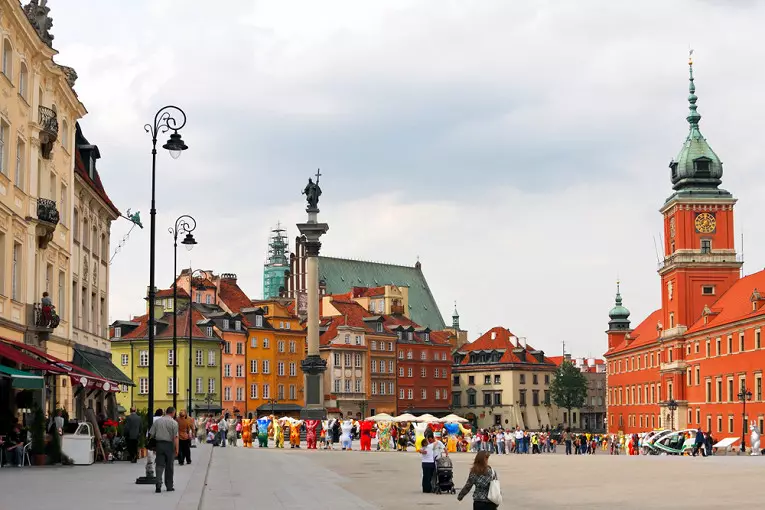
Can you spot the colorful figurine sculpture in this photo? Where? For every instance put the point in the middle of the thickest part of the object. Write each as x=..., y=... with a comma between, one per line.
x=279, y=432
x=295, y=433
x=346, y=440
x=452, y=430
x=264, y=424
x=383, y=435
x=365, y=435
x=419, y=435
x=247, y=431
x=755, y=438
x=403, y=436
x=436, y=427
x=310, y=433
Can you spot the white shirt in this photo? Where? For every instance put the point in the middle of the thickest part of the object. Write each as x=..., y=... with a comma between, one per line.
x=429, y=455
x=518, y=434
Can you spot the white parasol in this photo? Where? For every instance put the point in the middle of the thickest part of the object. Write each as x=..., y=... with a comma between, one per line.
x=427, y=418
x=381, y=417
x=405, y=417
x=453, y=418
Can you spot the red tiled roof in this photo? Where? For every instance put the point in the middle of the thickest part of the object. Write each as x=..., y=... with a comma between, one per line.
x=735, y=304
x=644, y=334
x=558, y=360
x=165, y=293
x=141, y=331
x=367, y=291
x=501, y=341
x=96, y=183
x=232, y=295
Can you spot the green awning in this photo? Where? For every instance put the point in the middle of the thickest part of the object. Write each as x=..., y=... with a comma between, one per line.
x=22, y=380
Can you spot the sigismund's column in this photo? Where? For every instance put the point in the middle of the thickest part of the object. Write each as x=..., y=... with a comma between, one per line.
x=313, y=366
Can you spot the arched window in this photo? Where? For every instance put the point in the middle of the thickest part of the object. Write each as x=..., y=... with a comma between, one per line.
x=23, y=80
x=104, y=247
x=7, y=59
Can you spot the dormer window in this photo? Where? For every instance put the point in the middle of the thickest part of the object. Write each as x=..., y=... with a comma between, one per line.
x=225, y=324
x=702, y=166
x=409, y=335
x=673, y=168
x=258, y=321
x=399, y=334
x=348, y=339
x=238, y=325
x=426, y=336
x=379, y=327
x=117, y=332
x=209, y=331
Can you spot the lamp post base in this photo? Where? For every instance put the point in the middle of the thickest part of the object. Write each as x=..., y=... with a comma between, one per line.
x=146, y=480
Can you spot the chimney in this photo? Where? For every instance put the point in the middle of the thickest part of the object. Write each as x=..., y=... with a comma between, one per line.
x=567, y=357
x=522, y=340
x=493, y=335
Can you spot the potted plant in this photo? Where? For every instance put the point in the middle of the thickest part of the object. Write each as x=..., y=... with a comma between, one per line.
x=38, y=436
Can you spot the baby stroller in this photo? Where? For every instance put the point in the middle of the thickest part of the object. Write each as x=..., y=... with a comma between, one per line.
x=443, y=477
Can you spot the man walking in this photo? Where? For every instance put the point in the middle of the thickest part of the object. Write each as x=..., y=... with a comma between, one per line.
x=165, y=431
x=131, y=432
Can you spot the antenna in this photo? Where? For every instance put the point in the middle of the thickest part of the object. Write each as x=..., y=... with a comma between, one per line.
x=656, y=249
x=564, y=348
x=742, y=254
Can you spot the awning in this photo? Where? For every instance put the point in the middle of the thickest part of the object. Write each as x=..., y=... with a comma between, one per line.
x=100, y=363
x=22, y=380
x=11, y=353
x=279, y=408
x=78, y=376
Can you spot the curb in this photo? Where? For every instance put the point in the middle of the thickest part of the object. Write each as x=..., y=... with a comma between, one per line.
x=192, y=494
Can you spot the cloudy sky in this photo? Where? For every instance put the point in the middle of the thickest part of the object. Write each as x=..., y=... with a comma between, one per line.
x=519, y=149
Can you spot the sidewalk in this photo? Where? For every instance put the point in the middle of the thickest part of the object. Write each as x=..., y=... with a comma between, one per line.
x=102, y=486
x=246, y=478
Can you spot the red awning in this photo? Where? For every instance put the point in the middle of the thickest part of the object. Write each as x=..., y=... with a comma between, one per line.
x=77, y=375
x=15, y=355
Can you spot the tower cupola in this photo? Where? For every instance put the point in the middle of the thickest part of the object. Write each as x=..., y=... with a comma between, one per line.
x=697, y=170
x=619, y=315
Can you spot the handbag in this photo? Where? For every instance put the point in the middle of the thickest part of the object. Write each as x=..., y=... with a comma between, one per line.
x=495, y=491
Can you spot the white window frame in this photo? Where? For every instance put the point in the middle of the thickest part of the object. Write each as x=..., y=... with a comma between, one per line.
x=199, y=358
x=211, y=385
x=125, y=360
x=254, y=366
x=199, y=385
x=253, y=391
x=143, y=385
x=211, y=358
x=170, y=357
x=143, y=358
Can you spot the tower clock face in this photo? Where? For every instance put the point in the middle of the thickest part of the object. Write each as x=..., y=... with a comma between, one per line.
x=705, y=223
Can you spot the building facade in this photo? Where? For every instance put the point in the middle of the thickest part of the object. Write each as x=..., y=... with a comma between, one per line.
x=129, y=342
x=499, y=380
x=591, y=417
x=690, y=363
x=275, y=347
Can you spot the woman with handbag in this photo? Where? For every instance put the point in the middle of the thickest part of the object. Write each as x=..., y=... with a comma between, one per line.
x=487, y=495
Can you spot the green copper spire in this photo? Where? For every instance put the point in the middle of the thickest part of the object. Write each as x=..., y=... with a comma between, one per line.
x=619, y=315
x=696, y=171
x=455, y=318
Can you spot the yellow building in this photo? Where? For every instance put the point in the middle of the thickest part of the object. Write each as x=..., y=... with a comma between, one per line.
x=275, y=348
x=38, y=112
x=130, y=353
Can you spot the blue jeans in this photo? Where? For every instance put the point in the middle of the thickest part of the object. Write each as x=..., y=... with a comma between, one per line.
x=501, y=446
x=222, y=438
x=568, y=447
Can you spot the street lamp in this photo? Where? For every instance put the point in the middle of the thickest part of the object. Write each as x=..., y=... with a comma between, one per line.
x=191, y=338
x=743, y=396
x=273, y=402
x=183, y=225
x=164, y=120
x=672, y=406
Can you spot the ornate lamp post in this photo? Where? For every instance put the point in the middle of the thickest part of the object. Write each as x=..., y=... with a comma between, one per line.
x=164, y=121
x=273, y=402
x=191, y=338
x=672, y=406
x=743, y=396
x=183, y=225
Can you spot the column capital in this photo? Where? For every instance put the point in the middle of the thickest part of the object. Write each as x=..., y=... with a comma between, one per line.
x=313, y=365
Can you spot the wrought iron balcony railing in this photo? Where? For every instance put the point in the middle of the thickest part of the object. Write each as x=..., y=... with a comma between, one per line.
x=48, y=120
x=46, y=211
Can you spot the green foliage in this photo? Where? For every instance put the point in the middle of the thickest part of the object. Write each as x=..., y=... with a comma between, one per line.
x=38, y=431
x=55, y=456
x=568, y=388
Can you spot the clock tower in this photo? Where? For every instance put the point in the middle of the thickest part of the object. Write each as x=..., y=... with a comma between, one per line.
x=700, y=261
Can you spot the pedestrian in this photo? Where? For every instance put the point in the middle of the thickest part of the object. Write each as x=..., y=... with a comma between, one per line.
x=428, y=462
x=480, y=477
x=131, y=431
x=185, y=433
x=501, y=442
x=165, y=433
x=698, y=445
x=567, y=440
x=708, y=442
x=223, y=430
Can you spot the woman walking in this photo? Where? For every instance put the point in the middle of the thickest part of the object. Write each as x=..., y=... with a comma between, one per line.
x=481, y=475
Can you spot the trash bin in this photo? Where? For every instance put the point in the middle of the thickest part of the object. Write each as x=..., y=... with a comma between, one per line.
x=81, y=445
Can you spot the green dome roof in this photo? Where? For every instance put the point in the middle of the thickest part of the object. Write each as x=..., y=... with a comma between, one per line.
x=696, y=169
x=619, y=314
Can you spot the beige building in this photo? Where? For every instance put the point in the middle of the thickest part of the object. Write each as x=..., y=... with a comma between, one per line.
x=499, y=380
x=39, y=189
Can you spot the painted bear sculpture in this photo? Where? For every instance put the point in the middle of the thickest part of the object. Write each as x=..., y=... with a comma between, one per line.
x=310, y=433
x=365, y=435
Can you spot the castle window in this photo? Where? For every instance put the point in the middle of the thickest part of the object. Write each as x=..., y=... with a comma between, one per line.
x=708, y=290
x=706, y=246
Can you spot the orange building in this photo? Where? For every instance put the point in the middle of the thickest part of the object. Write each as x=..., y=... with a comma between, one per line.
x=693, y=362
x=274, y=350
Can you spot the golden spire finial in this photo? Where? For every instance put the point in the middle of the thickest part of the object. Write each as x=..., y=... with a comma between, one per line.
x=690, y=56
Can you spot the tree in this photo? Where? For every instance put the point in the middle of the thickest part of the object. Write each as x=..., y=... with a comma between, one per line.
x=568, y=388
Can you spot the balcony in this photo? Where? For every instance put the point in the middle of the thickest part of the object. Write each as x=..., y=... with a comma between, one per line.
x=44, y=321
x=48, y=120
x=46, y=221
x=397, y=309
x=341, y=395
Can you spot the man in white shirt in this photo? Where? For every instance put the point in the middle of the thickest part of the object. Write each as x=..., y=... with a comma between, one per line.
x=500, y=442
x=223, y=430
x=518, y=440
